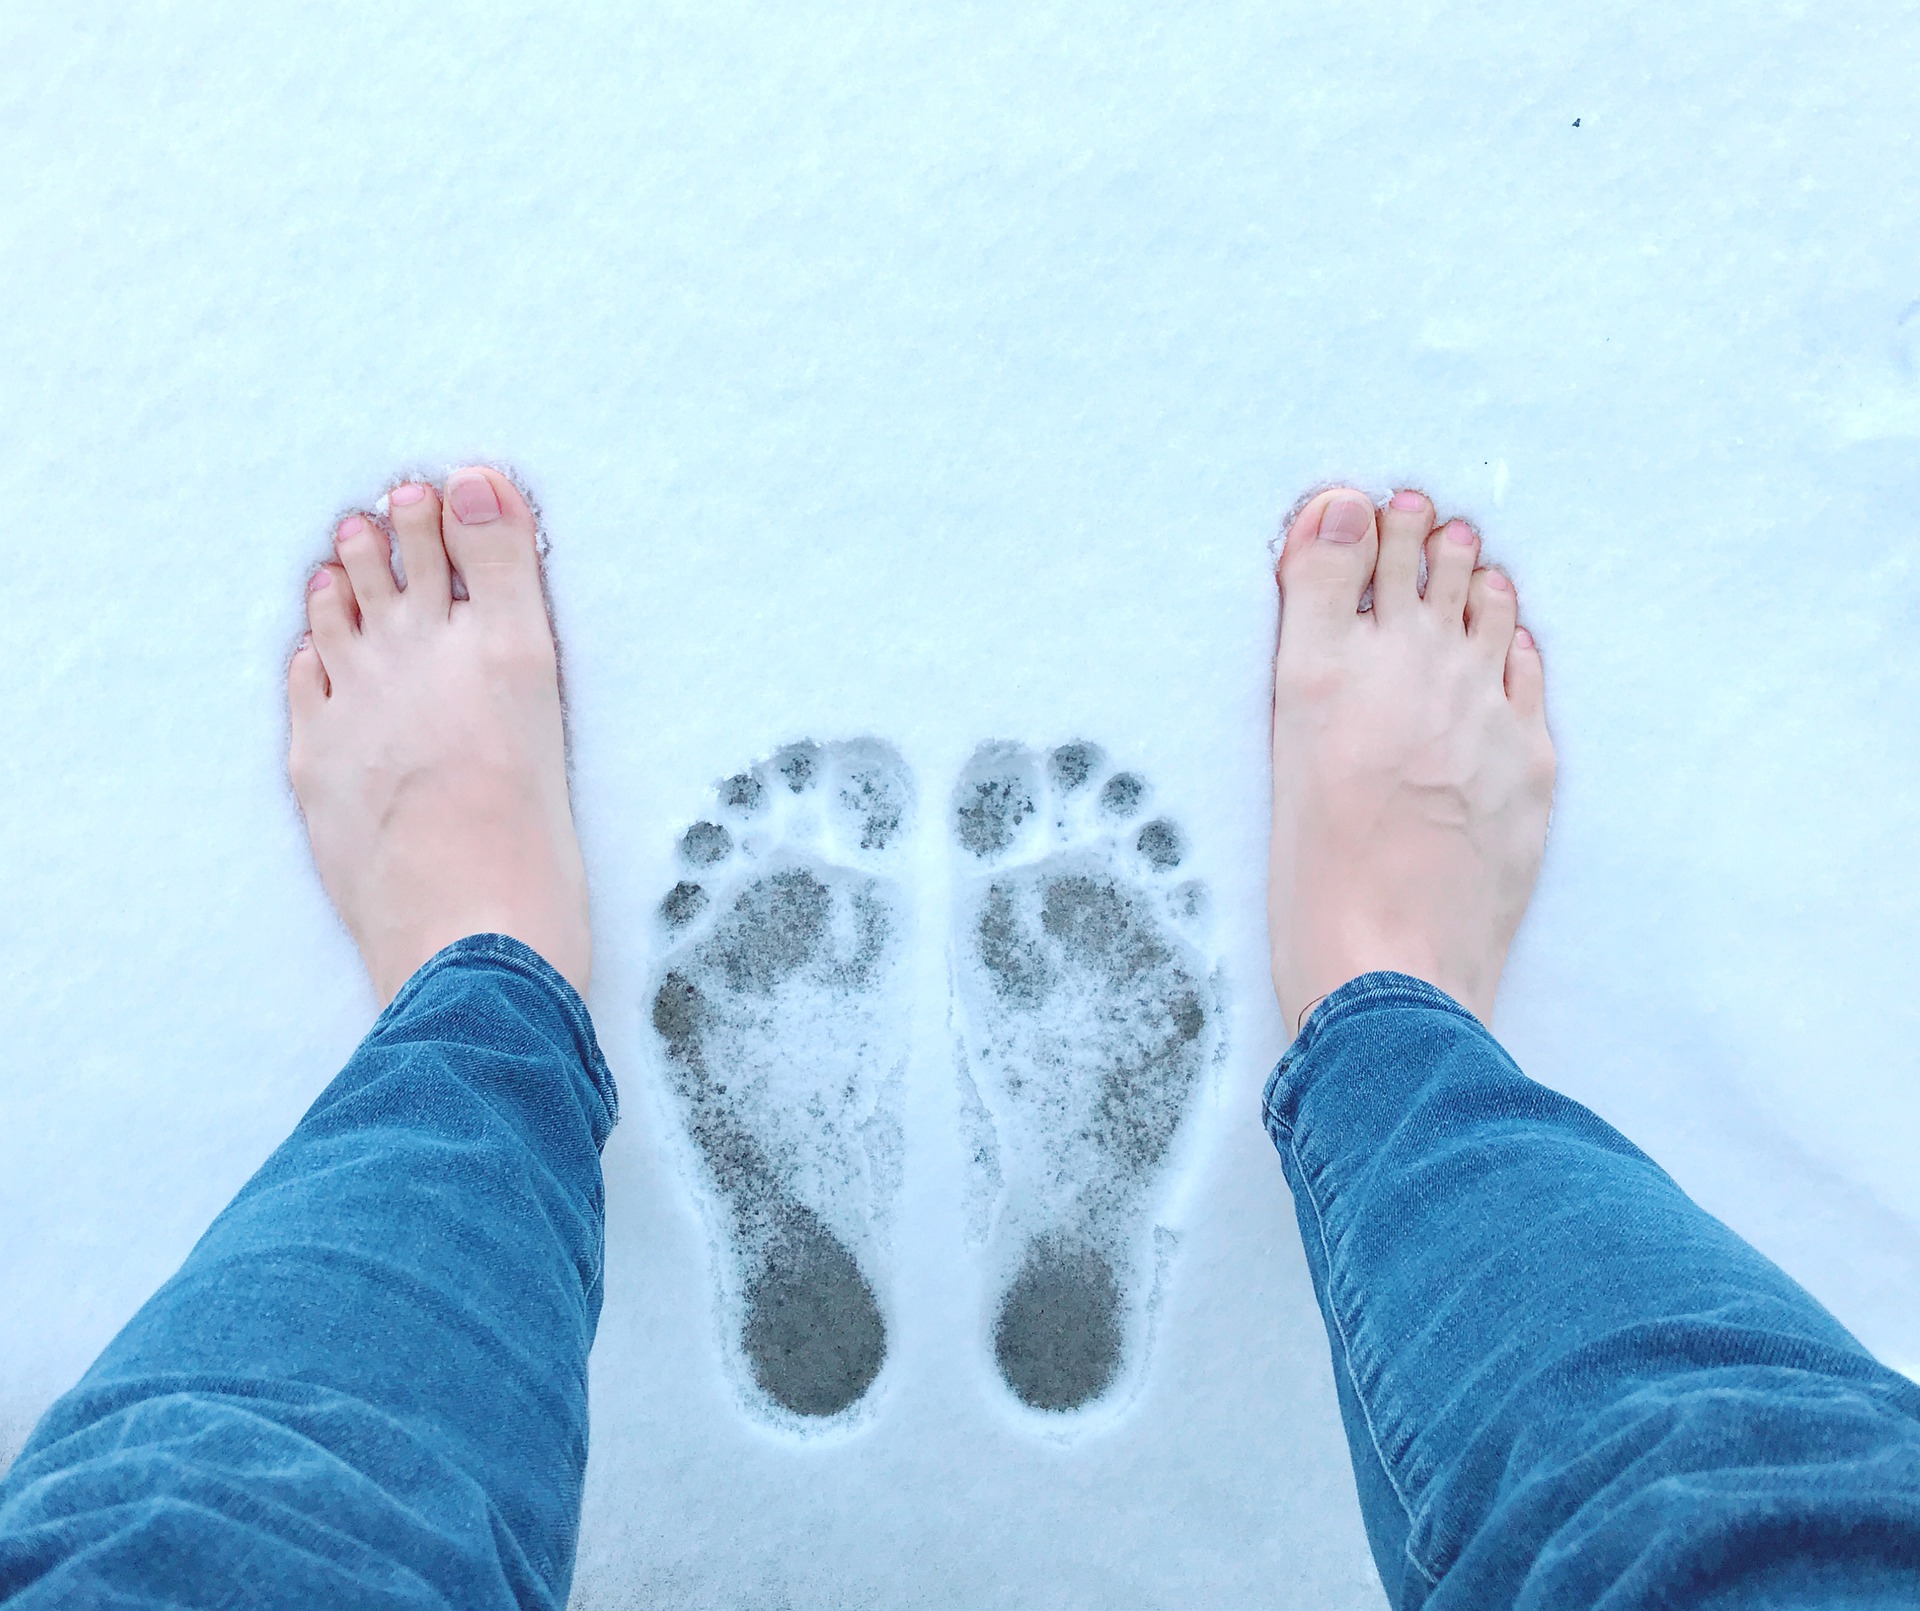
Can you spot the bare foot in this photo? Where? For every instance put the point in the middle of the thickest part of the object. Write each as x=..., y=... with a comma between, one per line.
x=428, y=753
x=1412, y=771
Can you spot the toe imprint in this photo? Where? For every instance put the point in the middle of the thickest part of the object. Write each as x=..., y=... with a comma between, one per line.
x=783, y=1032
x=1089, y=1018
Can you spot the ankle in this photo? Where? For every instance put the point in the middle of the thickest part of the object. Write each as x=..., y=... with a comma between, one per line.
x=1302, y=986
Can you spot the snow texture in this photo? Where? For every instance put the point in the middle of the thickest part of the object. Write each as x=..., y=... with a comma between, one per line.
x=939, y=374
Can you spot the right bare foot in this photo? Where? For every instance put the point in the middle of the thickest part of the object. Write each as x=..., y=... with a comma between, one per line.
x=428, y=753
x=1412, y=771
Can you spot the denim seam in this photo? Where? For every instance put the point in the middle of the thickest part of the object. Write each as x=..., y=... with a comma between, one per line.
x=1346, y=1350
x=1369, y=991
x=518, y=957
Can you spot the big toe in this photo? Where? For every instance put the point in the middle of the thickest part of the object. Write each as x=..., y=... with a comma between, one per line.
x=489, y=533
x=1328, y=559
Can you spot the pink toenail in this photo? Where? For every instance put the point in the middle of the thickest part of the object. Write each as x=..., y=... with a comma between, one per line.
x=352, y=526
x=320, y=579
x=1499, y=582
x=1523, y=637
x=306, y=642
x=1407, y=500
x=1345, y=520
x=473, y=499
x=407, y=492
x=1458, y=531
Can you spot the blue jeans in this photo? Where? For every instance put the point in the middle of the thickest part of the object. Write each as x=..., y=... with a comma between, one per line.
x=367, y=1385
x=1563, y=1383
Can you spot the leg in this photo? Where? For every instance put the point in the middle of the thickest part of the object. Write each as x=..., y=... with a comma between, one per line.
x=1563, y=1383
x=367, y=1384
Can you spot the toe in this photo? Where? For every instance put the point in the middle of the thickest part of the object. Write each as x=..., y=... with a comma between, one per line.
x=306, y=681
x=364, y=552
x=1526, y=679
x=1492, y=610
x=1328, y=559
x=415, y=513
x=489, y=534
x=331, y=616
x=1451, y=554
x=1404, y=525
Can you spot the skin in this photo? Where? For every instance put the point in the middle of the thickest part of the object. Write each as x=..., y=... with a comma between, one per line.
x=428, y=751
x=1413, y=772
x=1412, y=769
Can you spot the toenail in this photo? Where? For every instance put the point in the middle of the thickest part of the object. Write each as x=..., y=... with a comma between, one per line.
x=320, y=579
x=1408, y=500
x=306, y=642
x=352, y=526
x=1523, y=637
x=1458, y=531
x=406, y=493
x=1499, y=582
x=1346, y=520
x=473, y=499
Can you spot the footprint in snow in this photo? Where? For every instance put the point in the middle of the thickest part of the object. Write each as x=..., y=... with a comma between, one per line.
x=783, y=1029
x=1088, y=1018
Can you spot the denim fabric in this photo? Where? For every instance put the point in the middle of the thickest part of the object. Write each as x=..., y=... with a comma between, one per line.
x=1564, y=1384
x=367, y=1385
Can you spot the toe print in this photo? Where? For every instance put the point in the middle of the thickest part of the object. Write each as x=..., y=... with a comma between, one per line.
x=780, y=1016
x=1089, y=1020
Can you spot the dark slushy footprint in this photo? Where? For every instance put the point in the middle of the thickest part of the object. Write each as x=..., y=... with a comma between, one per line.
x=783, y=1029
x=1089, y=1017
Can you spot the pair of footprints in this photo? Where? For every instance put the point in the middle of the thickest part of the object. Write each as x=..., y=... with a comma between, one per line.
x=1085, y=1019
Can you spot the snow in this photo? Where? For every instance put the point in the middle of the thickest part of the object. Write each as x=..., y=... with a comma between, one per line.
x=939, y=374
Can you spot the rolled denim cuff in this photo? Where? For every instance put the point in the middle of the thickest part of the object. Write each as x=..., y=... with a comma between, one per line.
x=502, y=953
x=1371, y=992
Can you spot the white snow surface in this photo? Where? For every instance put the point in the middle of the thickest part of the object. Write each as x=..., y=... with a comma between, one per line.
x=940, y=372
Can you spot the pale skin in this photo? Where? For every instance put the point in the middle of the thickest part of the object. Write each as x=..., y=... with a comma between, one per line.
x=1413, y=772
x=428, y=750
x=1412, y=769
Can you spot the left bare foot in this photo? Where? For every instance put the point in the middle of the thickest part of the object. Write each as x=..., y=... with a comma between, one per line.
x=428, y=752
